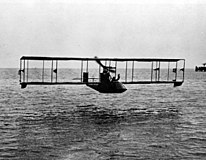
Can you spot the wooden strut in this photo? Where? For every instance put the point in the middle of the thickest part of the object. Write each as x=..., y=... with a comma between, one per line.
x=168, y=72
x=152, y=71
x=27, y=71
x=132, y=70
x=52, y=71
x=87, y=66
x=156, y=72
x=24, y=72
x=159, y=72
x=126, y=73
x=56, y=69
x=82, y=63
x=183, y=78
x=43, y=72
x=20, y=70
x=116, y=69
x=176, y=73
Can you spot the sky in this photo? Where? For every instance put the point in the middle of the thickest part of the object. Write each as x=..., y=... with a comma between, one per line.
x=106, y=28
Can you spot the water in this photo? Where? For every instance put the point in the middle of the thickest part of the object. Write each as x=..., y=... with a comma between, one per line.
x=76, y=122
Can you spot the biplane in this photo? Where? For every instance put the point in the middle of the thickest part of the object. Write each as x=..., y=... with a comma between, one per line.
x=106, y=75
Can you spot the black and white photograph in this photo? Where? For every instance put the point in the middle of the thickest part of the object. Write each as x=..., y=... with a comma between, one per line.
x=102, y=79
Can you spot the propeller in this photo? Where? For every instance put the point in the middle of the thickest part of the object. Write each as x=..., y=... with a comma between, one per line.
x=109, y=68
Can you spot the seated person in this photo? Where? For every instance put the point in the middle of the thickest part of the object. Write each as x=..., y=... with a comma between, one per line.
x=114, y=79
x=106, y=75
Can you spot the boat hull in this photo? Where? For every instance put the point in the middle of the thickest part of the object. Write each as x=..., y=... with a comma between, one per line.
x=112, y=87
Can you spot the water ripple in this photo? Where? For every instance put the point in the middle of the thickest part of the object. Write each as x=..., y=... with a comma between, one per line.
x=61, y=122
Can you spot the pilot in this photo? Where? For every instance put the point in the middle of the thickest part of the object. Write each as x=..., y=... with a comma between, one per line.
x=114, y=79
x=106, y=75
x=118, y=77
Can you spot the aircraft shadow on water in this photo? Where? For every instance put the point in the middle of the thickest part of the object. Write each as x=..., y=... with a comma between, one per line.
x=106, y=75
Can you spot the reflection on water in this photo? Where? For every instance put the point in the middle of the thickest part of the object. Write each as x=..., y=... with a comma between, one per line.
x=75, y=122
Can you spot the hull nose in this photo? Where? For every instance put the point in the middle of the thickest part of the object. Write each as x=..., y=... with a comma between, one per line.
x=120, y=87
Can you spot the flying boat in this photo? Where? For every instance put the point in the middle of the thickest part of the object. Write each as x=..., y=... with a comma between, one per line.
x=105, y=75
